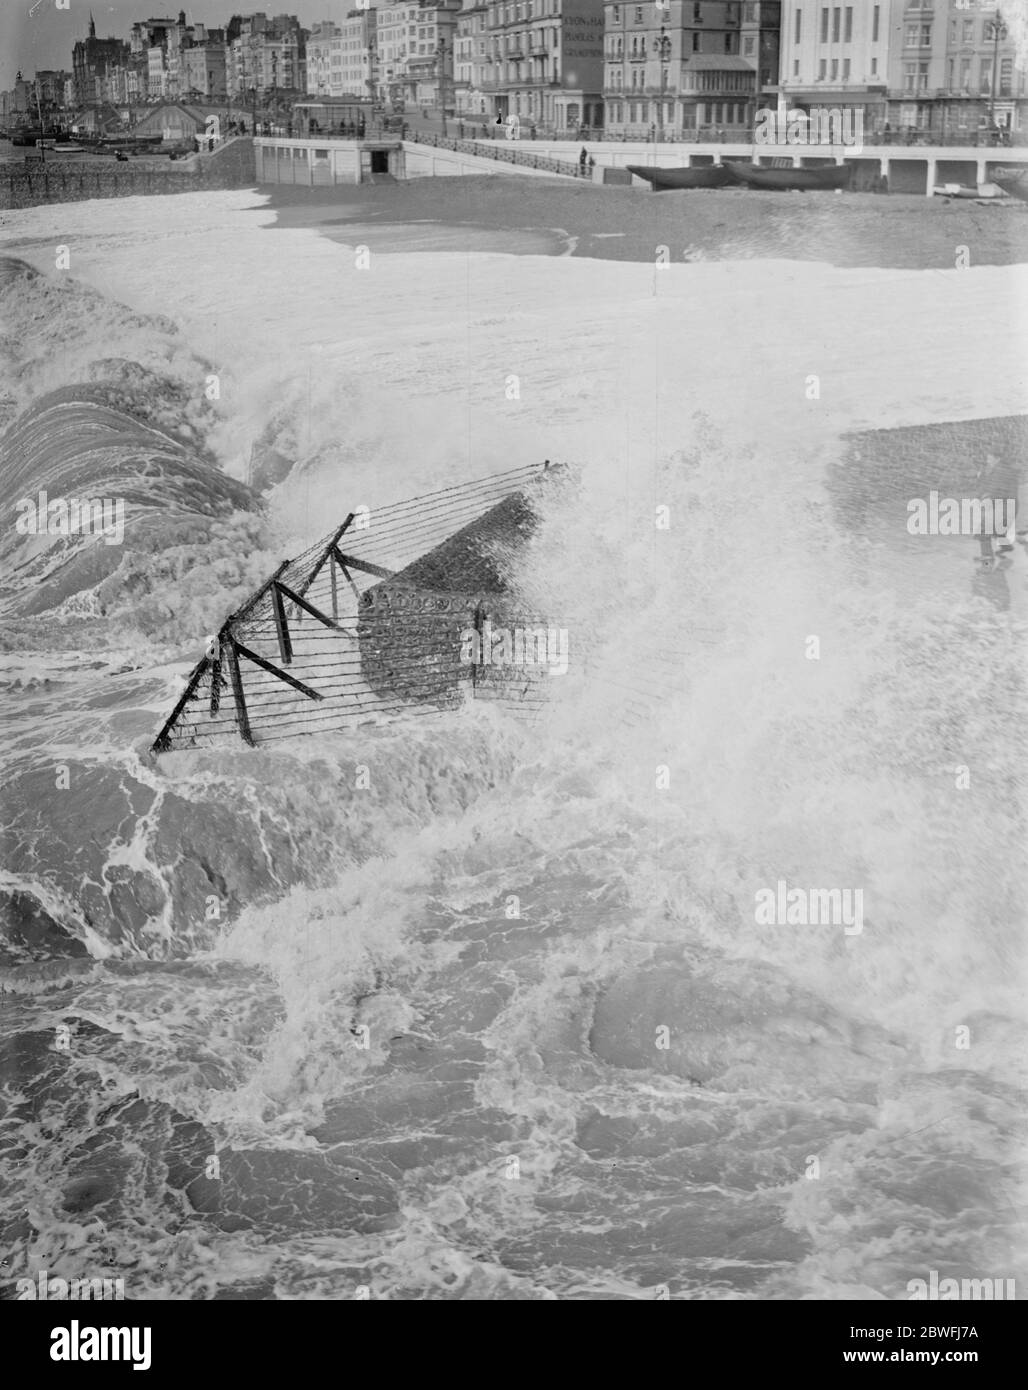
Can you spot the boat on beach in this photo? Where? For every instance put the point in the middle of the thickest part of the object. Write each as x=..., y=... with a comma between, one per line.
x=702, y=176
x=980, y=192
x=827, y=176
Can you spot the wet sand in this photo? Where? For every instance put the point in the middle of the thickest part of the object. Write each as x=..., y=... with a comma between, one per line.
x=543, y=216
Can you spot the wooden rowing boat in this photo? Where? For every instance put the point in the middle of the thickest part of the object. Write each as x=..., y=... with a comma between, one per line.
x=702, y=176
x=827, y=176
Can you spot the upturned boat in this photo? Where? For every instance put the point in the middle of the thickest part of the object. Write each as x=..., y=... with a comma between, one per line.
x=702, y=176
x=827, y=176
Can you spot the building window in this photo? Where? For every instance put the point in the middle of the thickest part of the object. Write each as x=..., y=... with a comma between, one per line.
x=836, y=23
x=822, y=69
x=795, y=67
x=847, y=35
x=915, y=77
x=1006, y=77
x=845, y=69
x=874, y=67
x=876, y=16
x=799, y=25
x=835, y=69
x=824, y=26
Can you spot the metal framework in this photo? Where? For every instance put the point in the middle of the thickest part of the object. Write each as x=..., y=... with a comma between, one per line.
x=295, y=657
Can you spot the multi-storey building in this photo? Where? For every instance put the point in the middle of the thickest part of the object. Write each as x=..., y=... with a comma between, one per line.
x=265, y=55
x=760, y=43
x=945, y=68
x=679, y=69
x=322, y=47
x=545, y=62
x=954, y=71
x=469, y=59
x=203, y=68
x=415, y=52
x=341, y=58
x=837, y=57
x=92, y=58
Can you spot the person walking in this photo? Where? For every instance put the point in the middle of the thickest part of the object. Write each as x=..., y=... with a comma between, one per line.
x=583, y=160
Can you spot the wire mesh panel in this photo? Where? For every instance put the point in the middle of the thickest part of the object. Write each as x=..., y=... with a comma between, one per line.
x=377, y=620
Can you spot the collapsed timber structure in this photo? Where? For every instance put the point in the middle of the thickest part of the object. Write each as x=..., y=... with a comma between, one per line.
x=372, y=622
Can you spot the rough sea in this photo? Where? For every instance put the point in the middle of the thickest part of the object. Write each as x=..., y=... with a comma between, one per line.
x=502, y=1024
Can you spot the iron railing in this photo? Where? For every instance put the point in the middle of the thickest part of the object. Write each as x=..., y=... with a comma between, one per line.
x=507, y=152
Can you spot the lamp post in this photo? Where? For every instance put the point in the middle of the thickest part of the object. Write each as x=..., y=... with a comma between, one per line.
x=441, y=51
x=662, y=47
x=372, y=57
x=998, y=31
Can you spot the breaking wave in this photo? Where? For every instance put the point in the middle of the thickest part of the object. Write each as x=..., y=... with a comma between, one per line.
x=477, y=1009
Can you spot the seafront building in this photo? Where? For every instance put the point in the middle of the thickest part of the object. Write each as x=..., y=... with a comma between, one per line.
x=469, y=61
x=692, y=68
x=943, y=71
x=415, y=53
x=953, y=71
x=93, y=63
x=543, y=62
x=265, y=56
x=342, y=58
x=927, y=68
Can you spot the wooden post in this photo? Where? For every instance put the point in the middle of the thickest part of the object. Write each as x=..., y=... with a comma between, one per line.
x=242, y=718
x=285, y=646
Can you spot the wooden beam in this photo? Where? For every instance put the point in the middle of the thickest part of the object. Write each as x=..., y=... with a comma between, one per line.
x=349, y=576
x=285, y=646
x=162, y=742
x=242, y=718
x=365, y=565
x=240, y=650
x=307, y=607
x=215, y=684
x=326, y=553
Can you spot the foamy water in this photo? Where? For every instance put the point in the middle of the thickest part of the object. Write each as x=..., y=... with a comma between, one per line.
x=503, y=1024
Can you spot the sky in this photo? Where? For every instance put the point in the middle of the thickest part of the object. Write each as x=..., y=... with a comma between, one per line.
x=36, y=34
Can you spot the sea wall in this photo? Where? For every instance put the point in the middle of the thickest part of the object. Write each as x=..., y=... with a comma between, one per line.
x=86, y=176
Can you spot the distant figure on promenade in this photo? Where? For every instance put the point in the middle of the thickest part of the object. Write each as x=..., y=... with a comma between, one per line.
x=583, y=160
x=592, y=165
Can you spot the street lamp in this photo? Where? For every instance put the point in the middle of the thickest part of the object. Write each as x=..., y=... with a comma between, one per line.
x=998, y=31
x=442, y=50
x=662, y=46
